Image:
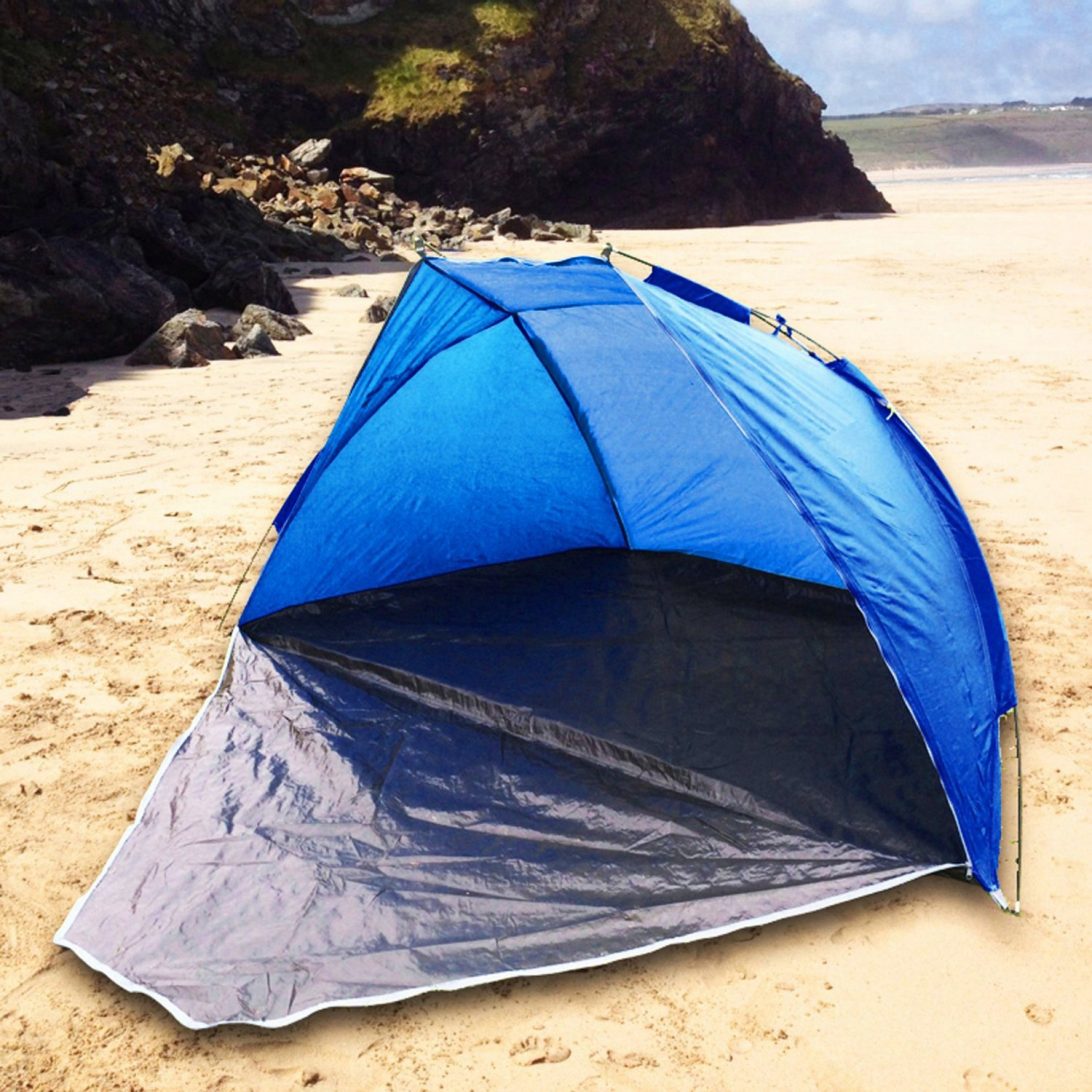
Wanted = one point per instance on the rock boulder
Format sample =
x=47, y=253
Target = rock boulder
x=278, y=326
x=67, y=299
x=243, y=281
x=188, y=340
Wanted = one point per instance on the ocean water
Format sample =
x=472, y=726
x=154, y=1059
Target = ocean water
x=965, y=175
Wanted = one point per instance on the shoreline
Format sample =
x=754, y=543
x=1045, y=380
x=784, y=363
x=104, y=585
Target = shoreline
x=1045, y=172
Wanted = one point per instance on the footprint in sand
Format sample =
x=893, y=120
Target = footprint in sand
x=978, y=1080
x=1039, y=1014
x=535, y=1051
x=631, y=1060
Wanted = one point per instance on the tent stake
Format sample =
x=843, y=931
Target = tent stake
x=246, y=572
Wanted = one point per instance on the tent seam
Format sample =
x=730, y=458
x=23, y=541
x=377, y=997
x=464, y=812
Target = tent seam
x=592, y=448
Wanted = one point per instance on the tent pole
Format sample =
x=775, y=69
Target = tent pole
x=1019, y=806
x=609, y=249
x=246, y=571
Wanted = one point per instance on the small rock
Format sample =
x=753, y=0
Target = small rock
x=319, y=271
x=547, y=237
x=278, y=326
x=189, y=340
x=255, y=342
x=60, y=411
x=310, y=1077
x=248, y=187
x=580, y=232
x=518, y=226
x=479, y=232
x=357, y=291
x=365, y=174
x=317, y=175
x=173, y=162
x=379, y=310
x=328, y=199
x=311, y=153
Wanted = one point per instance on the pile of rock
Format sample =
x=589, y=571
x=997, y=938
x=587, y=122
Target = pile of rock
x=191, y=339
x=358, y=206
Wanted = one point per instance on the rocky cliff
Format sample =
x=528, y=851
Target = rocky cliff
x=659, y=112
x=656, y=112
x=144, y=140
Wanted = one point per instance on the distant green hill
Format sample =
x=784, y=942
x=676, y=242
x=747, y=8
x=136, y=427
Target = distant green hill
x=989, y=138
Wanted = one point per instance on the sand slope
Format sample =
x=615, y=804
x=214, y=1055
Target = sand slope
x=124, y=527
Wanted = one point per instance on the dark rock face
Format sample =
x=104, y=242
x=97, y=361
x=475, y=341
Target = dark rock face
x=67, y=299
x=652, y=112
x=243, y=281
x=18, y=164
x=268, y=32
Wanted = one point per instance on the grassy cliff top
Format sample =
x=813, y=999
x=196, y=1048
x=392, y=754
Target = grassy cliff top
x=419, y=59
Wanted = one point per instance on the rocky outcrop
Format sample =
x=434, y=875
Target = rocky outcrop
x=66, y=299
x=665, y=112
x=656, y=112
x=243, y=281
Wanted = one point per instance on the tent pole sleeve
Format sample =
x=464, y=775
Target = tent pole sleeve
x=566, y=396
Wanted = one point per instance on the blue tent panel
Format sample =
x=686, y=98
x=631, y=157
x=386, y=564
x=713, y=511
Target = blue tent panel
x=684, y=478
x=473, y=461
x=904, y=550
x=432, y=314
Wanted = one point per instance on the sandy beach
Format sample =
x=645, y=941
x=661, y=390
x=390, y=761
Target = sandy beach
x=125, y=526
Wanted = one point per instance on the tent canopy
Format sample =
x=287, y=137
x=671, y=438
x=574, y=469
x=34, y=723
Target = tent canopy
x=602, y=620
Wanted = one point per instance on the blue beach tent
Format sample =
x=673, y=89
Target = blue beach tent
x=602, y=621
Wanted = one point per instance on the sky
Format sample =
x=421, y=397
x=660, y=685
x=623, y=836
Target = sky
x=870, y=55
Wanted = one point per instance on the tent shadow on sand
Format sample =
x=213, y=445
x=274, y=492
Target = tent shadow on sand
x=601, y=622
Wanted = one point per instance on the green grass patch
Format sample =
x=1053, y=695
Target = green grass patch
x=415, y=60
x=501, y=22
x=422, y=83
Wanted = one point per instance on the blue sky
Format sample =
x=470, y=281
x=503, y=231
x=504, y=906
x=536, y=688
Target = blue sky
x=869, y=55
